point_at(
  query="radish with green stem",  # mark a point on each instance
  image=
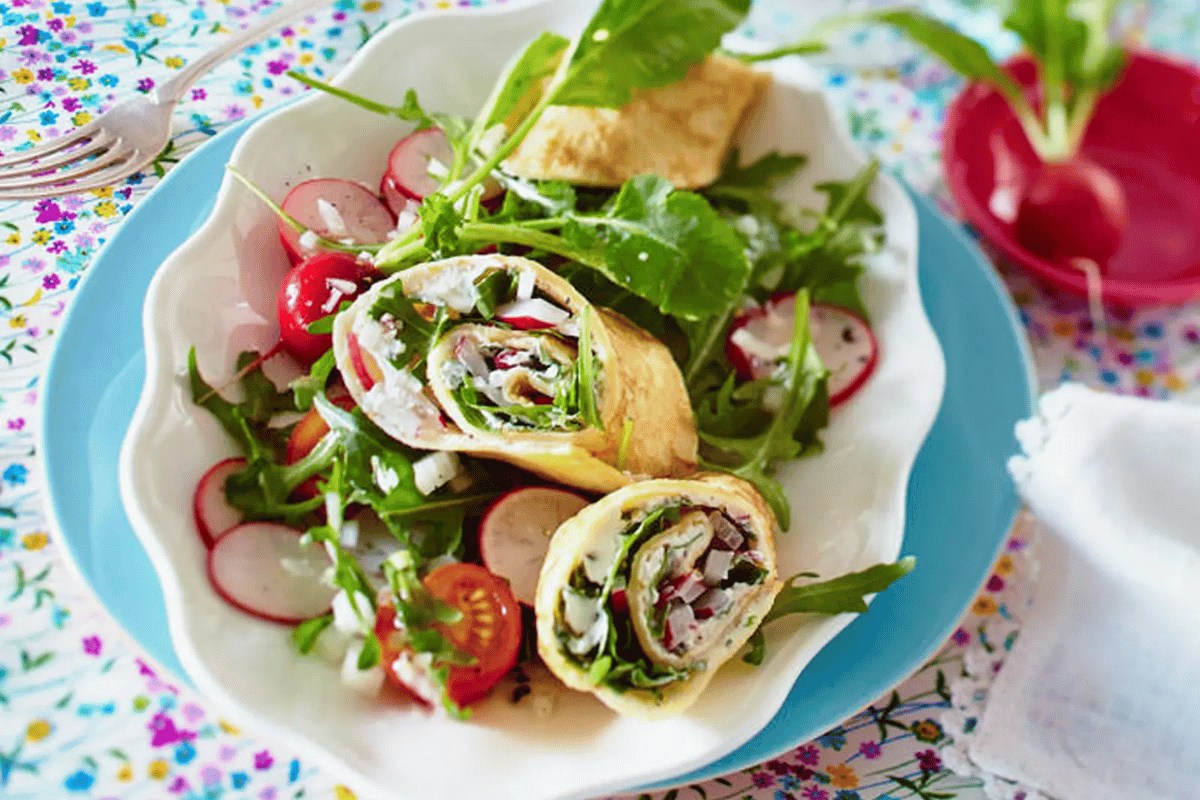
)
(1070, 208)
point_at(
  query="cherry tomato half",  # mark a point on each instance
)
(490, 629)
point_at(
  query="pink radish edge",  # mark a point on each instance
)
(847, 347)
(212, 512)
(262, 569)
(366, 219)
(760, 337)
(515, 532)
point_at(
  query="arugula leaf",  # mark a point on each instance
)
(844, 593)
(414, 331)
(304, 635)
(961, 53)
(494, 290)
(837, 595)
(305, 387)
(410, 110)
(516, 97)
(641, 44)
(585, 374)
(752, 457)
(748, 188)
(667, 246)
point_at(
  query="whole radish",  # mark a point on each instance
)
(1072, 209)
(313, 289)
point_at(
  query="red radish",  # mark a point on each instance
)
(261, 568)
(212, 512)
(760, 338)
(1073, 209)
(515, 533)
(408, 174)
(313, 289)
(532, 314)
(365, 368)
(334, 209)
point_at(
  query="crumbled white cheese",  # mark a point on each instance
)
(367, 681)
(334, 224)
(384, 476)
(342, 285)
(309, 241)
(378, 337)
(433, 471)
(346, 619)
(348, 535)
(413, 671)
(405, 220)
(455, 287)
(398, 405)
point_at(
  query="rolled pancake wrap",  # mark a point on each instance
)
(488, 388)
(696, 561)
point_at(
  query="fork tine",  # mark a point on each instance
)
(51, 147)
(100, 172)
(98, 144)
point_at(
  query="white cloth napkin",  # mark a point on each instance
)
(1100, 697)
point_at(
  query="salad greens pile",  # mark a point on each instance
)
(679, 264)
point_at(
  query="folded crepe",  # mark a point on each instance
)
(681, 131)
(646, 593)
(505, 374)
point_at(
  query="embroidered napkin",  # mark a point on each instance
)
(1100, 697)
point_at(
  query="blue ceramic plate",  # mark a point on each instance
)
(960, 500)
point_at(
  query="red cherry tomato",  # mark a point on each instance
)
(313, 289)
(490, 629)
(304, 438)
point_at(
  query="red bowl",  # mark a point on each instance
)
(1146, 131)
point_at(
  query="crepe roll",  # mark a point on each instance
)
(499, 357)
(646, 593)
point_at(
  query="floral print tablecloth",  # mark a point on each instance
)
(83, 715)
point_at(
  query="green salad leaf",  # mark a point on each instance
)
(843, 594)
(641, 44)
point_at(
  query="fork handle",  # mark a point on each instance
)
(171, 90)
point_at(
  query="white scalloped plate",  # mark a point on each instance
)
(217, 293)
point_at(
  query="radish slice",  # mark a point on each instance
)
(847, 348)
(760, 338)
(261, 568)
(408, 174)
(515, 534)
(532, 314)
(212, 512)
(335, 209)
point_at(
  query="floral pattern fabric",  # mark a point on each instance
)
(82, 715)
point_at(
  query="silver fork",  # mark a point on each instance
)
(129, 135)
